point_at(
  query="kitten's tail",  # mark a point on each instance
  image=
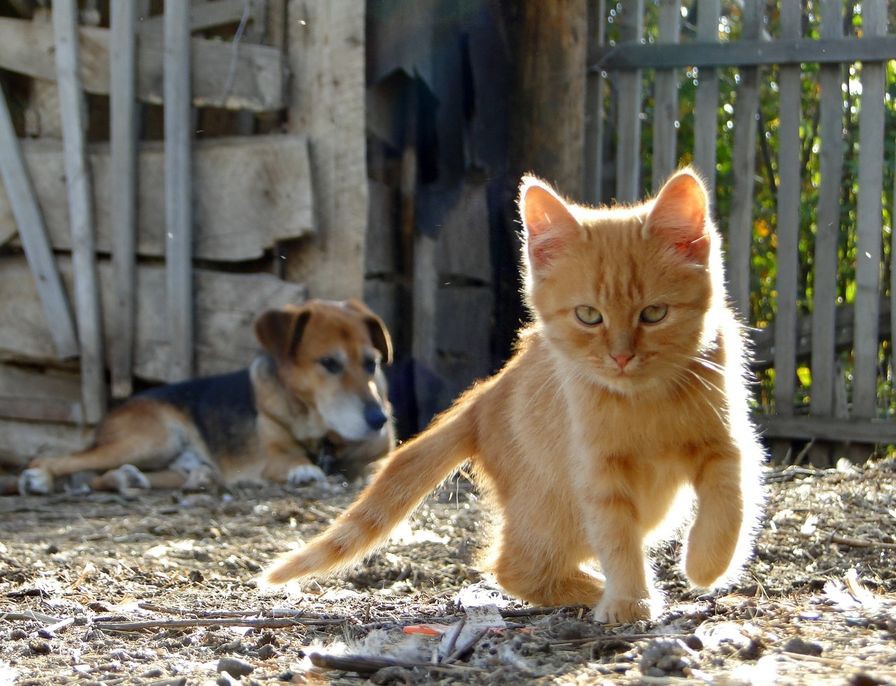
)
(408, 476)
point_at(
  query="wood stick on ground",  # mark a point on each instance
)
(29, 615)
(860, 542)
(452, 637)
(265, 623)
(260, 613)
(466, 647)
(363, 664)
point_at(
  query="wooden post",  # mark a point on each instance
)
(123, 105)
(869, 219)
(628, 110)
(178, 190)
(665, 113)
(548, 97)
(325, 44)
(33, 234)
(706, 103)
(594, 104)
(788, 229)
(740, 226)
(80, 202)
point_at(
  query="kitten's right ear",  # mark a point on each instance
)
(680, 215)
(549, 225)
(280, 331)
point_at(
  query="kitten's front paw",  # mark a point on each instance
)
(305, 474)
(35, 481)
(622, 610)
(704, 569)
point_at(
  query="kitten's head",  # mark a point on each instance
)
(628, 294)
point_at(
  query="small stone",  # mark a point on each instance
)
(801, 647)
(266, 652)
(52, 549)
(693, 642)
(196, 576)
(665, 657)
(234, 667)
(17, 634)
(39, 647)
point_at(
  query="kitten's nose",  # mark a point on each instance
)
(622, 359)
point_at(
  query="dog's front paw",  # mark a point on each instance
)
(35, 481)
(305, 474)
(128, 480)
(615, 610)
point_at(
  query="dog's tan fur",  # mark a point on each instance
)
(268, 422)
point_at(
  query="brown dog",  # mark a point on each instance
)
(316, 393)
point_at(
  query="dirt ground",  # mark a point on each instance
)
(160, 590)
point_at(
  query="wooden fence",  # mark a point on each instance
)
(840, 343)
(131, 253)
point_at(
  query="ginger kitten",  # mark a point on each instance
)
(627, 387)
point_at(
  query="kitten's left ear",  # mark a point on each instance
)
(548, 222)
(680, 216)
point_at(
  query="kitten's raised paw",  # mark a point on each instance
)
(35, 481)
(704, 571)
(622, 610)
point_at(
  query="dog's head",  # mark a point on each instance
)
(328, 355)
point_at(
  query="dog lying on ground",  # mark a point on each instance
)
(315, 398)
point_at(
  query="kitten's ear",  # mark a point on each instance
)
(680, 215)
(549, 225)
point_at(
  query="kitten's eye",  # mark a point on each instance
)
(588, 315)
(331, 364)
(654, 313)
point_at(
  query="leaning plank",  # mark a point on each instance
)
(828, 429)
(123, 181)
(256, 84)
(788, 230)
(665, 113)
(325, 44)
(249, 193)
(226, 306)
(33, 233)
(869, 218)
(178, 191)
(707, 98)
(80, 204)
(628, 121)
(743, 168)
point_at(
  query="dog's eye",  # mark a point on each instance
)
(331, 364)
(370, 365)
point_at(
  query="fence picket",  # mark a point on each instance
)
(665, 112)
(594, 104)
(628, 121)
(869, 219)
(706, 103)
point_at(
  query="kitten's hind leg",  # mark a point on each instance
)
(541, 566)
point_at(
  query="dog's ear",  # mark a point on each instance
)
(379, 334)
(280, 331)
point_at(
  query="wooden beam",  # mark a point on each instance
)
(706, 100)
(257, 82)
(33, 233)
(77, 175)
(206, 15)
(744, 53)
(628, 110)
(178, 190)
(226, 306)
(828, 429)
(274, 209)
(123, 144)
(594, 104)
(665, 113)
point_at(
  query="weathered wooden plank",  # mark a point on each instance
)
(594, 103)
(29, 220)
(24, 440)
(381, 256)
(463, 252)
(207, 15)
(788, 229)
(178, 190)
(828, 429)
(628, 109)
(229, 225)
(763, 340)
(80, 203)
(824, 296)
(256, 84)
(869, 219)
(52, 396)
(123, 150)
(706, 101)
(665, 113)
(226, 306)
(743, 168)
(704, 53)
(325, 47)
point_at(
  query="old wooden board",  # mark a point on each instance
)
(250, 192)
(35, 394)
(628, 120)
(828, 429)
(665, 113)
(257, 76)
(594, 104)
(23, 440)
(706, 103)
(325, 47)
(226, 306)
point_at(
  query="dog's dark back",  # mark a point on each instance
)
(222, 407)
